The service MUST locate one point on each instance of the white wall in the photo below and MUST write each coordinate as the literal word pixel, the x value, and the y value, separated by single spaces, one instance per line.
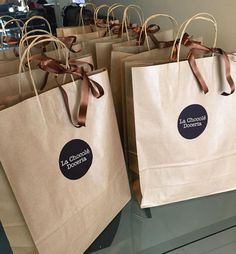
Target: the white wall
pixel 223 10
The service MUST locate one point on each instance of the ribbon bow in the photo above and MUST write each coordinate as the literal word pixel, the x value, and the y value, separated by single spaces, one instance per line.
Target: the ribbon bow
pixel 69 41
pixel 151 30
pixel 196 49
pixel 88 85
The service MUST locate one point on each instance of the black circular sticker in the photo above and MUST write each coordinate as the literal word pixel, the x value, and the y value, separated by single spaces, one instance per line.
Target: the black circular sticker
pixel 75 159
pixel 192 121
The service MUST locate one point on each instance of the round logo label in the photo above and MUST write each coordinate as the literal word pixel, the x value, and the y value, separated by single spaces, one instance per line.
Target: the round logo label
pixel 192 121
pixel 75 159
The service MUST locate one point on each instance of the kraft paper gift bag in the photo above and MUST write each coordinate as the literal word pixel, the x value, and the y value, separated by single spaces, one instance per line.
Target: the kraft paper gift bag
pixel 184 155
pixel 9 67
pixel 185 134
pixel 71 183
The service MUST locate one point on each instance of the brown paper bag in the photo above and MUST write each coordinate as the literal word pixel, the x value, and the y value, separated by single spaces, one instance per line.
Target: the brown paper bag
pixel 54 201
pixel 178 157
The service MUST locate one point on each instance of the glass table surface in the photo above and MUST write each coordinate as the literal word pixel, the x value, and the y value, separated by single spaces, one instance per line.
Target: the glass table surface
pixel 161 229
pixel 166 228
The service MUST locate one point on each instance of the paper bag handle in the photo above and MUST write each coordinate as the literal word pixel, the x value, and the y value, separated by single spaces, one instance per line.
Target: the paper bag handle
pixel 144 27
pixel 36 17
pixel 139 12
pixel 87 85
pixel 111 10
pixel 39 37
pixel 26 37
pixel 97 10
pixel 38 40
pixel 205 50
pixel 81 18
pixel 26 55
pixel 194 47
pixel 200 16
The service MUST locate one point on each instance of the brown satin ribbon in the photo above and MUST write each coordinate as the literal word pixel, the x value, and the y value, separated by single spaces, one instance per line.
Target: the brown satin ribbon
pixel 117 29
pixel 69 41
pixel 151 30
pixel 196 49
pixel 87 85
pixel 186 41
pixel 9 40
pixel 77 63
